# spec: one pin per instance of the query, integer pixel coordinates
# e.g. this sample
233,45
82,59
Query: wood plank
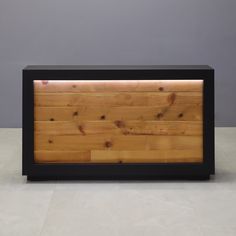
119,127
62,157
115,142
98,156
118,99
184,112
51,86
157,156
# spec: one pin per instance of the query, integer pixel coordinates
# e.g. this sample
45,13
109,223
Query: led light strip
115,81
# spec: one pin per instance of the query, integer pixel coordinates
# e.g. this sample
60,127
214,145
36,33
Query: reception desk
118,122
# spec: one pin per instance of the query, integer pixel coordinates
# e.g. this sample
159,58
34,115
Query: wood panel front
145,121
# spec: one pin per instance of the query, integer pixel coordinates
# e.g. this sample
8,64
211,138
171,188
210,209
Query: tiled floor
117,208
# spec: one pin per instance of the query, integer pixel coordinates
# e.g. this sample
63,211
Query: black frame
120,171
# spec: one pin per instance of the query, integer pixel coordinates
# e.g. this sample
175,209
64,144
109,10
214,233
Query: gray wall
117,32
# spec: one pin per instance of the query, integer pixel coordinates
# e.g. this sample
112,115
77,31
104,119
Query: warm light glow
112,81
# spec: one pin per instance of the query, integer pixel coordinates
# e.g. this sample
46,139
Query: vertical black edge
27,123
209,121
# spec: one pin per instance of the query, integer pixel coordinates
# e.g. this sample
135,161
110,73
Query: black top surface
118,67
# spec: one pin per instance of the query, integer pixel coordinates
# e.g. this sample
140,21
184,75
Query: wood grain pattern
118,99
174,112
115,142
119,127
118,121
151,156
100,156
76,86
62,156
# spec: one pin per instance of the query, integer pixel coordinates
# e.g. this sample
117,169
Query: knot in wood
171,98
44,82
120,123
108,144
81,129
75,113
159,115
50,141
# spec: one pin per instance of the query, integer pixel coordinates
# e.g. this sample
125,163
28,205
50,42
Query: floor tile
23,212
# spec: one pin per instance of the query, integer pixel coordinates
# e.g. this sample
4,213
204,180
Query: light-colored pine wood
42,86
118,121
100,156
119,127
183,112
118,99
151,156
115,142
62,157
